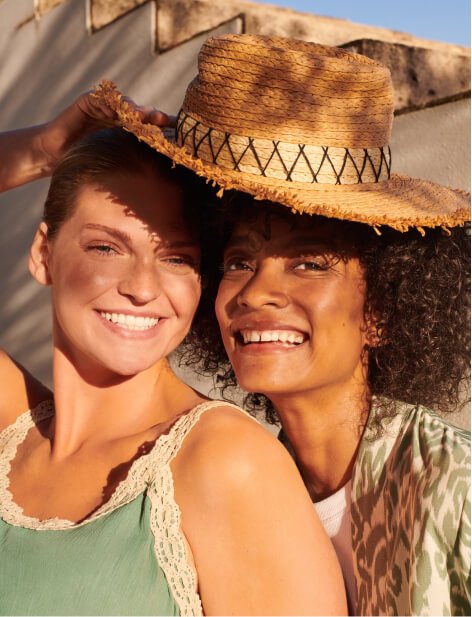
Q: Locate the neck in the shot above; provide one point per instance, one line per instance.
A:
(324, 428)
(110, 407)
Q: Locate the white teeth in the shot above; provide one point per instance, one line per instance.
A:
(266, 336)
(130, 322)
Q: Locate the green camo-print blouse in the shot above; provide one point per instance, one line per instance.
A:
(410, 518)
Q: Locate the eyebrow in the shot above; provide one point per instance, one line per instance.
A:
(125, 237)
(305, 240)
(112, 231)
(301, 241)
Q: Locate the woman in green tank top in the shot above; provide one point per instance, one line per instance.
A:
(128, 492)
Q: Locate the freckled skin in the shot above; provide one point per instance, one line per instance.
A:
(304, 286)
(91, 269)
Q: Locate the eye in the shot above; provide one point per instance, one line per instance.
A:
(318, 264)
(180, 263)
(176, 261)
(104, 250)
(236, 265)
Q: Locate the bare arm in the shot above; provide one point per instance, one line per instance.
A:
(19, 390)
(259, 547)
(31, 153)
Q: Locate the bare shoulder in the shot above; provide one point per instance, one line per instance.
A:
(240, 495)
(19, 390)
(237, 442)
(228, 457)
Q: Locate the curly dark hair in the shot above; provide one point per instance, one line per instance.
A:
(416, 285)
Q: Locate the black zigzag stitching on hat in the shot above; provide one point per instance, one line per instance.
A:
(194, 134)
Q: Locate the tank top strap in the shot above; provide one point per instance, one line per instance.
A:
(171, 547)
(169, 445)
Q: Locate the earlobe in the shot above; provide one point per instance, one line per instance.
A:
(39, 256)
(375, 335)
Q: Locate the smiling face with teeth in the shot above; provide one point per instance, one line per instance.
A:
(123, 269)
(290, 307)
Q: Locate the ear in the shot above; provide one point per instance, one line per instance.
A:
(374, 330)
(39, 256)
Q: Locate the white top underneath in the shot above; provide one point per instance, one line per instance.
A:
(335, 514)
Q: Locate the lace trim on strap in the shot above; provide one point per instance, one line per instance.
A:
(10, 438)
(170, 543)
(151, 471)
(128, 489)
(140, 475)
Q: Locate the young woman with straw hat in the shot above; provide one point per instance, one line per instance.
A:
(347, 321)
(342, 304)
(127, 492)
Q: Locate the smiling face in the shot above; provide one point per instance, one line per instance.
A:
(290, 308)
(124, 274)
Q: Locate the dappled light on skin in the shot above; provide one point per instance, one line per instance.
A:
(124, 249)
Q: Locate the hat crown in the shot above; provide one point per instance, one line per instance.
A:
(293, 91)
(300, 124)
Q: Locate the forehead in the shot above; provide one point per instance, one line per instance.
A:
(142, 201)
(288, 230)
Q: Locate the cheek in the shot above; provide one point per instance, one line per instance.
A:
(221, 302)
(351, 321)
(339, 311)
(82, 279)
(184, 294)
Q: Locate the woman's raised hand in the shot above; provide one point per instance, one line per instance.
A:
(32, 153)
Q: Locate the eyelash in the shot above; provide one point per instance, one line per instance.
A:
(318, 266)
(314, 265)
(226, 267)
(104, 250)
(179, 262)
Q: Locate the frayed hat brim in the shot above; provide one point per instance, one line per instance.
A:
(400, 202)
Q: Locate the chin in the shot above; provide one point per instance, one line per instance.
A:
(116, 367)
(265, 386)
(129, 369)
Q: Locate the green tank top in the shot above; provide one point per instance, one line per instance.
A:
(128, 558)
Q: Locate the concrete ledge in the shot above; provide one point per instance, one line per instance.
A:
(44, 6)
(104, 12)
(181, 20)
(196, 16)
(421, 77)
(424, 72)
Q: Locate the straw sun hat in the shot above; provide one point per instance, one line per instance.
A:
(297, 123)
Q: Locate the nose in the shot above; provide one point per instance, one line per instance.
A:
(141, 283)
(264, 288)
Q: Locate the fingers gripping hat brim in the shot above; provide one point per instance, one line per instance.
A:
(397, 201)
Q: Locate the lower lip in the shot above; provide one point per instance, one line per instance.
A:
(127, 333)
(268, 348)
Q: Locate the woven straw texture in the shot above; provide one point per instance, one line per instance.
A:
(300, 124)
